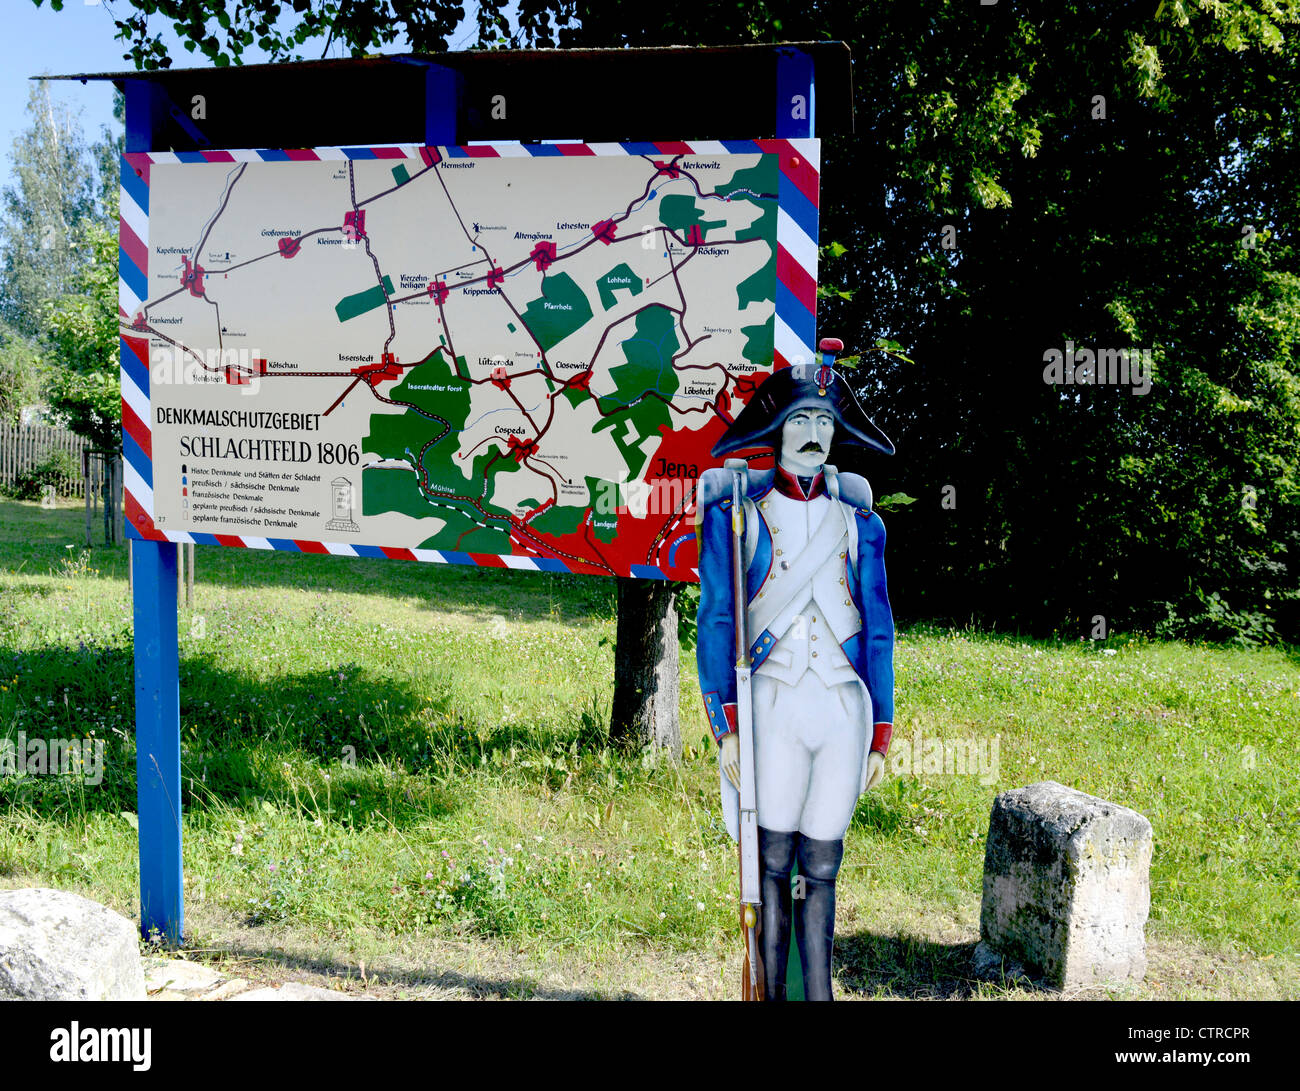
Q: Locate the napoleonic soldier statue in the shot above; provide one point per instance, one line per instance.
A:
(820, 639)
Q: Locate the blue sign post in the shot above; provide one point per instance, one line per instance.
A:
(157, 651)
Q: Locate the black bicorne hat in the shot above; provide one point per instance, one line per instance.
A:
(799, 387)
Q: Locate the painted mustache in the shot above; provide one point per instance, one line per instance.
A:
(812, 447)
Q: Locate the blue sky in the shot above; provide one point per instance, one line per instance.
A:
(80, 38)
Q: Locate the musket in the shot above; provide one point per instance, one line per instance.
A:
(752, 982)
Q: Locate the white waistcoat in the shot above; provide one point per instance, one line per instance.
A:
(821, 615)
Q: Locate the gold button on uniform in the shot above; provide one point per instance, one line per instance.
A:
(814, 655)
(843, 555)
(780, 552)
(847, 602)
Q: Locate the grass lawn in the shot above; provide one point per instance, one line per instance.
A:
(394, 779)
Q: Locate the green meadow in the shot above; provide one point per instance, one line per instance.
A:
(396, 779)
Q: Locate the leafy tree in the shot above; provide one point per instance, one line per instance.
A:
(39, 215)
(283, 30)
(1117, 175)
(20, 374)
(1112, 222)
(107, 151)
(82, 335)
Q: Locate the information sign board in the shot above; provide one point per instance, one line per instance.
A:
(512, 355)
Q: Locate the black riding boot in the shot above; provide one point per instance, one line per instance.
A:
(814, 914)
(776, 855)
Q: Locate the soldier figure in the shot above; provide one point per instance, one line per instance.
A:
(821, 647)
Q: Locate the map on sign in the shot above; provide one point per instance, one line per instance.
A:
(485, 356)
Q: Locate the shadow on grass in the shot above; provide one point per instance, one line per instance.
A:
(393, 756)
(908, 968)
(514, 988)
(867, 964)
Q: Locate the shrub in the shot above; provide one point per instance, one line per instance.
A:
(53, 468)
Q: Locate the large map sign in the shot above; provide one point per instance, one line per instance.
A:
(516, 355)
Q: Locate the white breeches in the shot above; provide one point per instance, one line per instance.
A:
(809, 745)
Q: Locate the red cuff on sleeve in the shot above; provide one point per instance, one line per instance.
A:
(880, 738)
(730, 712)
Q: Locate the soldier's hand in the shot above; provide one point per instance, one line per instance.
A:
(875, 770)
(729, 756)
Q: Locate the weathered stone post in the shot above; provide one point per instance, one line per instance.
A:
(1066, 887)
(60, 946)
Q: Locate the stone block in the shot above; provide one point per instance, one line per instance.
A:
(1066, 886)
(60, 946)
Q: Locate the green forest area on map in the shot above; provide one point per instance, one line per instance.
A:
(426, 475)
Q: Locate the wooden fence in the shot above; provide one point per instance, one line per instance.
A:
(22, 446)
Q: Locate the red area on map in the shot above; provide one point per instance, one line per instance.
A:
(495, 277)
(547, 503)
(694, 237)
(500, 379)
(543, 254)
(289, 247)
(581, 381)
(192, 276)
(521, 449)
(387, 368)
(354, 224)
(431, 156)
(236, 376)
(438, 290)
(670, 169)
(604, 231)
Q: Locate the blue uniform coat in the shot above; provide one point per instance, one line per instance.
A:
(871, 651)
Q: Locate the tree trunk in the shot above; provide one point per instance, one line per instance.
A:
(646, 668)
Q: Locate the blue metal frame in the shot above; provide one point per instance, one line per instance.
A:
(443, 89)
(157, 655)
(158, 738)
(794, 76)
